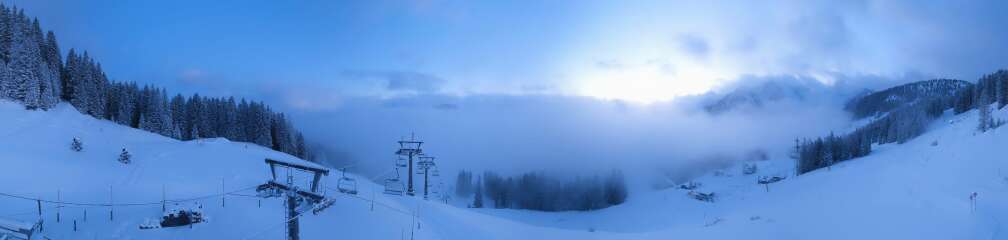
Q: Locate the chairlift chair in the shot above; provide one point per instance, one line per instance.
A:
(401, 162)
(346, 184)
(393, 186)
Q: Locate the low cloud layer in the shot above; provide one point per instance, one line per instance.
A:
(513, 133)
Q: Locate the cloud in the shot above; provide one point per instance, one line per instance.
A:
(514, 133)
(400, 81)
(694, 46)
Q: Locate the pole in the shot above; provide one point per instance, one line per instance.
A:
(163, 197)
(425, 183)
(222, 192)
(111, 215)
(409, 191)
(292, 221)
(59, 197)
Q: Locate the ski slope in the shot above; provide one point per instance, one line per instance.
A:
(916, 190)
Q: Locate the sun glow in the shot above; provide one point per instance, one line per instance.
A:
(647, 83)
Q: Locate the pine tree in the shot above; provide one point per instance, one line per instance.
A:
(125, 157)
(615, 189)
(301, 150)
(76, 145)
(6, 33)
(478, 197)
(985, 119)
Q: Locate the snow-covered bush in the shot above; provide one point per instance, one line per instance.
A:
(76, 145)
(125, 157)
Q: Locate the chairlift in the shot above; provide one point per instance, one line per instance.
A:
(346, 184)
(393, 186)
(401, 162)
(436, 173)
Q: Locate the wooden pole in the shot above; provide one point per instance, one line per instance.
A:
(111, 215)
(59, 197)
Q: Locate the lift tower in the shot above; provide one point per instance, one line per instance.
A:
(298, 198)
(410, 149)
(426, 164)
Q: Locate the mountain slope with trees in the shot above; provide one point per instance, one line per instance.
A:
(909, 109)
(895, 97)
(32, 72)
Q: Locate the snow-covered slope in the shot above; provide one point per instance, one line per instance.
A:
(38, 163)
(916, 190)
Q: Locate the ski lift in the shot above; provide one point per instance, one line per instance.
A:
(393, 186)
(435, 172)
(346, 184)
(401, 162)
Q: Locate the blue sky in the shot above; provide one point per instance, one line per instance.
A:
(351, 72)
(641, 51)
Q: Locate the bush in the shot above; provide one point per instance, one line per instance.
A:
(76, 145)
(125, 157)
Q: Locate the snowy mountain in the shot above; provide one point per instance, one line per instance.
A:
(763, 92)
(895, 97)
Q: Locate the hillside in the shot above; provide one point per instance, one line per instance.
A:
(903, 95)
(915, 190)
(758, 95)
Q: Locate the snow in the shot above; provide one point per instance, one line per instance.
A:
(901, 191)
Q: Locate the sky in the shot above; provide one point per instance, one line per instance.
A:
(357, 74)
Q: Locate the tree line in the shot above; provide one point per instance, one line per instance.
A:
(907, 119)
(540, 192)
(32, 72)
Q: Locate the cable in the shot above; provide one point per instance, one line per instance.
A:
(125, 204)
(404, 212)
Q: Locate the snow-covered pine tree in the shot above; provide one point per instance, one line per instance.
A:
(76, 145)
(280, 134)
(1002, 79)
(68, 77)
(193, 111)
(301, 150)
(261, 125)
(6, 33)
(25, 65)
(177, 106)
(46, 72)
(615, 188)
(156, 117)
(100, 96)
(478, 195)
(125, 157)
(985, 121)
